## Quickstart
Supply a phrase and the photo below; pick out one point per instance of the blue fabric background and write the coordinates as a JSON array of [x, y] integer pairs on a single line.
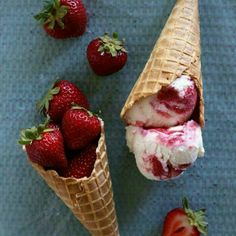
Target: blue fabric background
[[29, 63]]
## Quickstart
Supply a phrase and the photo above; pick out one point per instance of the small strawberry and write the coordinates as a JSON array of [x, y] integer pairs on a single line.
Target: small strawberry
[[80, 127], [59, 99], [106, 55], [185, 222], [82, 164], [44, 146], [63, 18]]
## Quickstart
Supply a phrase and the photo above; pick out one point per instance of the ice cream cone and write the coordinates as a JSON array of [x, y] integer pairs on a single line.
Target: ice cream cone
[[90, 199], [176, 52]]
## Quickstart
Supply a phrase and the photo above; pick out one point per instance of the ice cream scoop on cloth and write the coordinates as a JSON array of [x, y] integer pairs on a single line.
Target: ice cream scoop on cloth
[[164, 112]]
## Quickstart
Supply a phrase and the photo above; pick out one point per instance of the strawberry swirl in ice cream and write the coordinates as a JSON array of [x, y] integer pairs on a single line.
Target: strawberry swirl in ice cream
[[160, 132], [173, 105], [165, 153]]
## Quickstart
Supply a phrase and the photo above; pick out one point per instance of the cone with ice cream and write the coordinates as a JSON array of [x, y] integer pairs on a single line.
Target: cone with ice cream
[[69, 152], [164, 112]]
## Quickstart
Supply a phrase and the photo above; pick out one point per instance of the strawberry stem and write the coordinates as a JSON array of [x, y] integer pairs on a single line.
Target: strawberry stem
[[27, 136], [196, 218], [44, 103], [111, 45], [53, 13]]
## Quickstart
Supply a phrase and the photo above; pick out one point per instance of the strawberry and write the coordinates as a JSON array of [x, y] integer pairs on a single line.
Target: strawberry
[[59, 99], [185, 222], [82, 164], [106, 55], [63, 18], [80, 127], [44, 145]]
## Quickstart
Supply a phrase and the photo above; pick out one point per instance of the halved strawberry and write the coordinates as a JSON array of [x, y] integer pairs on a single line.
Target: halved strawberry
[[185, 222], [82, 164], [59, 99], [44, 145], [80, 127]]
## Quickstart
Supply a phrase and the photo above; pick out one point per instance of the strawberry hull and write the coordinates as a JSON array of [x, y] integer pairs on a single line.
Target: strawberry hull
[[63, 19], [89, 198]]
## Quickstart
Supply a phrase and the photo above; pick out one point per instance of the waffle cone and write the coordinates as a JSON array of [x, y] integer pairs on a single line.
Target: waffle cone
[[90, 199], [176, 52]]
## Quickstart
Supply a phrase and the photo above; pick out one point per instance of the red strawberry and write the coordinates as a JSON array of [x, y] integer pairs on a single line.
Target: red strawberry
[[185, 222], [80, 127], [59, 99], [82, 164], [106, 55], [44, 146], [63, 18]]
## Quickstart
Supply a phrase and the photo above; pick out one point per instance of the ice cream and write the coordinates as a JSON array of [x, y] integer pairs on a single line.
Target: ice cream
[[171, 106], [163, 144], [164, 153], [160, 132]]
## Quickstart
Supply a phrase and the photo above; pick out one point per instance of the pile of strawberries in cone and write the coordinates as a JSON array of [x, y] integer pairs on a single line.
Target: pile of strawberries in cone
[[69, 151], [67, 141]]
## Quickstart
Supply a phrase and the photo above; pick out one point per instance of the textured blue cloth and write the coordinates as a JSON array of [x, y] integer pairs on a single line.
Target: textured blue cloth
[[29, 63]]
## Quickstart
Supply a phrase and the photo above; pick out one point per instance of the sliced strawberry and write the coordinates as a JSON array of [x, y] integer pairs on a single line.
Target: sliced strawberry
[[44, 146], [82, 164], [59, 99], [184, 222]]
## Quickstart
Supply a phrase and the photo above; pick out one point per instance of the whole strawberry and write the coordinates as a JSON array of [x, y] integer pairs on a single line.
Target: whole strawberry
[[80, 127], [82, 164], [59, 99], [44, 146], [106, 55], [185, 222], [63, 18]]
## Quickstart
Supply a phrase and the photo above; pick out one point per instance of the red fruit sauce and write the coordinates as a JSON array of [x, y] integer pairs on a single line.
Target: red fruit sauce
[[158, 170]]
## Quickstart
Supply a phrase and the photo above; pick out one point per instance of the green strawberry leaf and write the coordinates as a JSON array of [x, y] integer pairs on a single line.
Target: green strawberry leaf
[[27, 136], [44, 103], [111, 45], [196, 218], [53, 12]]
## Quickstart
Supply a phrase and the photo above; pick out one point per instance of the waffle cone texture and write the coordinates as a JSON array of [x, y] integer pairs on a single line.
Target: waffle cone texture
[[90, 199], [177, 52]]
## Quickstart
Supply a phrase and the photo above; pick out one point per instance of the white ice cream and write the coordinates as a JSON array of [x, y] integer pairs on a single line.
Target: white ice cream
[[172, 106], [164, 153]]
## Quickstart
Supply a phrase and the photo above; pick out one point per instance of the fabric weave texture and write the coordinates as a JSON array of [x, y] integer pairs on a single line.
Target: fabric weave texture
[[30, 61]]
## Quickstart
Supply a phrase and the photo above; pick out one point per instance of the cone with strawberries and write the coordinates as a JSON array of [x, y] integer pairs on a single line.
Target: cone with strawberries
[[69, 153], [176, 52]]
